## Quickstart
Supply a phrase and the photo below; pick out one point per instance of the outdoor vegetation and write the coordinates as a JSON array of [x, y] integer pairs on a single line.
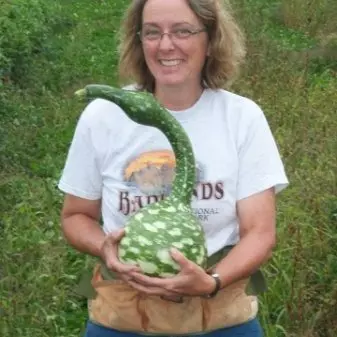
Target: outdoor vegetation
[[49, 49]]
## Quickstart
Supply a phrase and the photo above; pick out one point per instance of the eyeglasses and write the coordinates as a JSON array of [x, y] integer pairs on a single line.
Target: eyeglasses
[[153, 34]]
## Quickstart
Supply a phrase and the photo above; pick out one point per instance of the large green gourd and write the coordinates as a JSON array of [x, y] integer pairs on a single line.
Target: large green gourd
[[154, 229]]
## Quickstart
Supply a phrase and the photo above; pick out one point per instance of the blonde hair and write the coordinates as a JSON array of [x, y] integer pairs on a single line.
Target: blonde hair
[[226, 44]]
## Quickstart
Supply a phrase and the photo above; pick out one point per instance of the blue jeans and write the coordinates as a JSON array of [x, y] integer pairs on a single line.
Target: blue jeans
[[249, 329]]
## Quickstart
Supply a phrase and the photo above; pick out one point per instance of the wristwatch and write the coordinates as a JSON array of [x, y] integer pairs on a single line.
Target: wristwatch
[[217, 286]]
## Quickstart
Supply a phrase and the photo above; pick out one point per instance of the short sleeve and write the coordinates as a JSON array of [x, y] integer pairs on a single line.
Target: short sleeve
[[260, 164], [81, 174]]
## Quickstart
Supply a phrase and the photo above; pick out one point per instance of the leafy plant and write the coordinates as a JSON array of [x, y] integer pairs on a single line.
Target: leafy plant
[[26, 29]]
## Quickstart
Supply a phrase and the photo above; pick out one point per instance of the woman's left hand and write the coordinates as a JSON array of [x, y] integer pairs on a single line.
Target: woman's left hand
[[192, 280]]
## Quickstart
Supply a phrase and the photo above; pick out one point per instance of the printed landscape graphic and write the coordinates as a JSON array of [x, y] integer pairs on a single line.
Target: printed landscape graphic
[[152, 174]]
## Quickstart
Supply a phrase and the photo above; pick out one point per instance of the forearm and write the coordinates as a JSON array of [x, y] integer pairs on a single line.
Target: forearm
[[245, 258], [83, 233]]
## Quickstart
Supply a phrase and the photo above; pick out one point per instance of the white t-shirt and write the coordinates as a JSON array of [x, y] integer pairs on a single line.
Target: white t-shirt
[[130, 165]]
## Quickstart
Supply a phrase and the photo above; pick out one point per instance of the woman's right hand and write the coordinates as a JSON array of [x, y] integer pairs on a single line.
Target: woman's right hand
[[109, 254]]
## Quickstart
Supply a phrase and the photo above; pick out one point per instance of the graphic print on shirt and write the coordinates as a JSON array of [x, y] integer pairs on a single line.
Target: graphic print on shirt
[[149, 178]]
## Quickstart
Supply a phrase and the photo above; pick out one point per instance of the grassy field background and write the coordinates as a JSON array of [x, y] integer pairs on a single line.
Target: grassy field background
[[290, 71]]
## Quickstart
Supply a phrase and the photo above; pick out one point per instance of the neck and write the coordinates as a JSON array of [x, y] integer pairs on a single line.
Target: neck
[[177, 98]]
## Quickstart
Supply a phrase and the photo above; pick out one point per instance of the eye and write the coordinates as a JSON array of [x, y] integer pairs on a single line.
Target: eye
[[151, 34], [182, 33]]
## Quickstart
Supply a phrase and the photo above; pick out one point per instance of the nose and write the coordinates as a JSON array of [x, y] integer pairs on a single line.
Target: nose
[[166, 43]]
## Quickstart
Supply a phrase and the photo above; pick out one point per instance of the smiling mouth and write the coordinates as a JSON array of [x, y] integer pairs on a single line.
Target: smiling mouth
[[169, 63]]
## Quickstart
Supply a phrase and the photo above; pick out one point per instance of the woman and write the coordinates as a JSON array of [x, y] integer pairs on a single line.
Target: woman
[[183, 52]]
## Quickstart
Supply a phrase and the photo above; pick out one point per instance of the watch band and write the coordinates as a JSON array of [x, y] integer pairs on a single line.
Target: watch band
[[217, 286]]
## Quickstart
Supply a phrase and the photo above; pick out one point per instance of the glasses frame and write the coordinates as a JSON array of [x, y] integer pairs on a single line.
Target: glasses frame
[[170, 34]]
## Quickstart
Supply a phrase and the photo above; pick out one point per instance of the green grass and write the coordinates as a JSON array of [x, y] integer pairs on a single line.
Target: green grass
[[38, 270]]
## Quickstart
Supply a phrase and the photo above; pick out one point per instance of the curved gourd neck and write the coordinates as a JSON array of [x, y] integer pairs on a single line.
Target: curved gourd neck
[[144, 109], [185, 171]]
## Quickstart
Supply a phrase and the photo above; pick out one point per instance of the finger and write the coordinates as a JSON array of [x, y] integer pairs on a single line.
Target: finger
[[115, 265], [128, 268], [125, 277], [150, 281], [140, 287], [180, 258]]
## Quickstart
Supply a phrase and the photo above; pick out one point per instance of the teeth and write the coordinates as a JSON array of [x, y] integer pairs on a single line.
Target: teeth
[[170, 63]]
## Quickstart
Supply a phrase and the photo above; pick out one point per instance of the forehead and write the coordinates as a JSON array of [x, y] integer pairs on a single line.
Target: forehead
[[168, 12]]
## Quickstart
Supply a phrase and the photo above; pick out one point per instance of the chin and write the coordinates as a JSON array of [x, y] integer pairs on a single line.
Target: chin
[[170, 81]]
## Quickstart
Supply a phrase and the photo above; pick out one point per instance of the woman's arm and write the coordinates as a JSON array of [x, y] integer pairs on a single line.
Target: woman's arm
[[80, 224], [81, 228], [256, 216]]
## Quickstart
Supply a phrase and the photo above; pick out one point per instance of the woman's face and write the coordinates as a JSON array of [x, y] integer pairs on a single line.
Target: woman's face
[[175, 60]]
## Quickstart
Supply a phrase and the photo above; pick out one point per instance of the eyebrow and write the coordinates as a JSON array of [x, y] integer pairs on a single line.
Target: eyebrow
[[174, 25]]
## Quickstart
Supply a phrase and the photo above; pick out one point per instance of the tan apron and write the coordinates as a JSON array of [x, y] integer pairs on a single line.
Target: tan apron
[[113, 303]]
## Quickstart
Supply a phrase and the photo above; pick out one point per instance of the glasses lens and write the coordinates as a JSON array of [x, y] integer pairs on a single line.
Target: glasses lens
[[182, 33], [150, 34]]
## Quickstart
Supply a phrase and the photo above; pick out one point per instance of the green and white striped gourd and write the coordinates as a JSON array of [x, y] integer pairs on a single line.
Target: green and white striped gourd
[[154, 229]]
